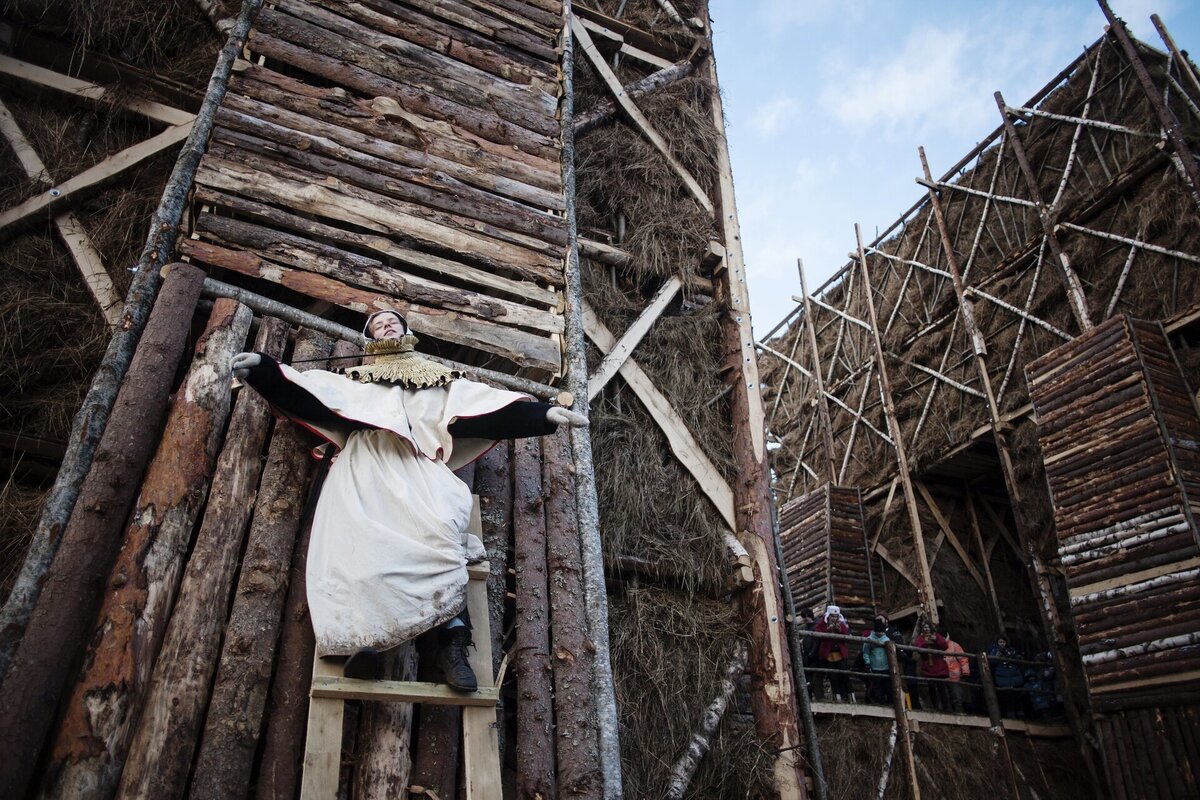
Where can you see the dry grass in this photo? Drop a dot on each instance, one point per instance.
(21, 506)
(670, 653)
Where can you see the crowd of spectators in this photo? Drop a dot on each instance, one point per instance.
(945, 680)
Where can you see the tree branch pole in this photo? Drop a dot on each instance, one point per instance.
(823, 402)
(587, 506)
(89, 423)
(1171, 128)
(605, 110)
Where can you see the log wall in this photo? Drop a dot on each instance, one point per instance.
(385, 155)
(1152, 752)
(1118, 428)
(825, 552)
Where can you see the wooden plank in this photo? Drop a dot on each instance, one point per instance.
(92, 178)
(526, 290)
(895, 563)
(401, 691)
(481, 734)
(626, 48)
(622, 349)
(31, 73)
(1133, 577)
(323, 748)
(70, 229)
(1141, 683)
(639, 119)
(679, 438)
(522, 348)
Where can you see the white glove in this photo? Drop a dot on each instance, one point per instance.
(242, 363)
(559, 415)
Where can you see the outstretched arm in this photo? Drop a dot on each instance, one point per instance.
(516, 421)
(262, 373)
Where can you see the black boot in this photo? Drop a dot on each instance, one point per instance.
(365, 665)
(452, 658)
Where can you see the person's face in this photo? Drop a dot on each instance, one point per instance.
(386, 326)
(926, 630)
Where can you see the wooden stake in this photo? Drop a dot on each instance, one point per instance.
(535, 715)
(928, 602)
(60, 624)
(235, 716)
(822, 402)
(160, 755)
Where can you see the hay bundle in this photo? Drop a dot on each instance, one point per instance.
(670, 653)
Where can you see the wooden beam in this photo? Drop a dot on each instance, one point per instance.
(944, 524)
(481, 734)
(70, 229)
(626, 48)
(619, 353)
(85, 90)
(91, 178)
(401, 692)
(639, 119)
(896, 564)
(679, 438)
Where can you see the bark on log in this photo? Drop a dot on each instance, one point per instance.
(62, 619)
(494, 29)
(435, 764)
(531, 653)
(685, 767)
(94, 737)
(384, 735)
(493, 484)
(235, 713)
(571, 653)
(144, 581)
(287, 715)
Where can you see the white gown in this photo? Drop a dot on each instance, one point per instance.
(388, 553)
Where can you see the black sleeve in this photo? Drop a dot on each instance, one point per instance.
(292, 400)
(515, 421)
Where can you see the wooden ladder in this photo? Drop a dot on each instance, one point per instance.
(481, 743)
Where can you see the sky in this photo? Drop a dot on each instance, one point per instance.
(826, 102)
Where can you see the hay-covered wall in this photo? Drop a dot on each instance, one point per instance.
(52, 332)
(674, 624)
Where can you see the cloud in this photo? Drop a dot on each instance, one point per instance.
(768, 118)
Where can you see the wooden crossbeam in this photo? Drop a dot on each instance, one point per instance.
(626, 48)
(91, 178)
(401, 691)
(85, 90)
(580, 31)
(679, 438)
(619, 353)
(70, 229)
(944, 524)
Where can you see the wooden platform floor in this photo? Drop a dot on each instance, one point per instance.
(1027, 727)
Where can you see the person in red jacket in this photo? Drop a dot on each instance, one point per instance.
(934, 666)
(833, 654)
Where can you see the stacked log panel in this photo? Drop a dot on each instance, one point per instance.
(825, 552)
(1118, 428)
(381, 154)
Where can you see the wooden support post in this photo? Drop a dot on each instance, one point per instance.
(993, 708)
(925, 590)
(384, 754)
(984, 557)
(1185, 158)
(903, 738)
(1026, 534)
(574, 712)
(817, 372)
(160, 755)
(481, 742)
(234, 721)
(323, 738)
(531, 654)
(70, 229)
(287, 717)
(59, 626)
(1074, 287)
(773, 697)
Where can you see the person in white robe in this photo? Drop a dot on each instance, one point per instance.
(389, 548)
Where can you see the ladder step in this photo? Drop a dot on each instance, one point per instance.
(479, 571)
(401, 691)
